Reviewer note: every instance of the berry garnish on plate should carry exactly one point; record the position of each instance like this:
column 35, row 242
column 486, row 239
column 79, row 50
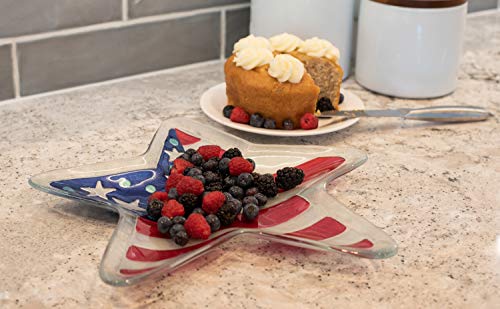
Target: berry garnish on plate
column 308, row 122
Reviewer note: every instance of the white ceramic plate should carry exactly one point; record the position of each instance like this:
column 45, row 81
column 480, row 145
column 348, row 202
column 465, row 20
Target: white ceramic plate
column 214, row 99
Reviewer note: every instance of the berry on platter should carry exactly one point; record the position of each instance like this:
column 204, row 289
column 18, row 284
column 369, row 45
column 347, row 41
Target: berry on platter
column 288, row 124
column 308, row 122
column 228, row 109
column 239, row 115
column 197, row 226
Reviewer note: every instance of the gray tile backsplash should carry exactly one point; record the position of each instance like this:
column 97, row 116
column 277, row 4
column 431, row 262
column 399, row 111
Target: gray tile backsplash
column 237, row 26
column 479, row 5
column 6, row 84
column 19, row 17
column 73, row 60
column 138, row 8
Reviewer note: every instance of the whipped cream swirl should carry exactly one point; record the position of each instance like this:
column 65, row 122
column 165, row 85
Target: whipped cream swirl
column 285, row 42
column 286, row 68
column 252, row 57
column 251, row 41
column 316, row 47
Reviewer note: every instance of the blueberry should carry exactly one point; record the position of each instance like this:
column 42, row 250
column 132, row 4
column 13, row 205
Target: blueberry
column 154, row 209
column 228, row 109
column 164, row 224
column 178, row 220
column 250, row 212
column 244, row 180
column 229, row 181
column 176, row 228
column 236, row 192
column 269, row 124
column 193, row 171
column 341, row 99
column 214, row 222
column 211, row 177
column 210, row 165
column 181, row 238
column 261, row 198
column 256, row 120
column 172, row 194
column 228, row 196
column 238, row 205
column 199, row 211
column 224, row 166
column 251, row 191
column 252, row 162
column 250, row 200
column 197, row 159
column 186, row 157
column 190, row 152
column 287, row 125
column 200, row 178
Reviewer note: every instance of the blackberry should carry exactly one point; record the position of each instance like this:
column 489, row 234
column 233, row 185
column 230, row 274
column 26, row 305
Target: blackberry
column 178, row 220
column 244, row 180
column 227, row 213
column 232, row 153
column 172, row 194
column 164, row 224
column 251, row 191
column 197, row 159
column 228, row 109
column 190, row 152
column 324, row 104
column 341, row 99
column 266, row 185
column 210, row 165
column 212, row 177
column 214, row 222
column 270, row 124
column 289, row 177
column 181, row 238
column 236, row 192
column 252, row 162
column 154, row 209
column 200, row 178
column 214, row 186
column 256, row 120
column 224, row 166
column 250, row 212
column 287, row 125
column 229, row 181
column 250, row 200
column 192, row 171
column 199, row 211
column 228, row 196
column 189, row 201
column 176, row 228
column 261, row 198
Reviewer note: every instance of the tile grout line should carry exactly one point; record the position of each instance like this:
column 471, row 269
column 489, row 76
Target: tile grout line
column 124, row 10
column 222, row 34
column 121, row 23
column 15, row 70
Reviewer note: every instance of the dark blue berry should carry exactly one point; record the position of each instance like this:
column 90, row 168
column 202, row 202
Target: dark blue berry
column 210, row 165
column 251, row 191
column 229, row 181
column 252, row 162
column 228, row 109
column 176, row 228
column 238, row 204
column 211, row 177
column 178, row 220
column 244, row 180
column 250, row 200
column 199, row 211
column 287, row 125
column 164, row 224
column 193, row 171
column 181, row 238
column 154, row 209
column 200, row 178
column 190, row 152
column 197, row 159
column 224, row 166
column 270, row 124
column 172, row 194
column 256, row 120
column 341, row 99
column 228, row 196
column 232, row 153
column 250, row 212
column 261, row 198
column 214, row 222
column 236, row 192
column 186, row 157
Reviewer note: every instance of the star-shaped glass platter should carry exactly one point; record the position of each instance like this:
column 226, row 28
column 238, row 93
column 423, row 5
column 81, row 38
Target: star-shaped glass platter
column 306, row 216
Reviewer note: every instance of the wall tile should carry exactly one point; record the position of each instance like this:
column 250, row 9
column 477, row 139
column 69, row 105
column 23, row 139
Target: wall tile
column 19, row 17
column 479, row 5
column 237, row 26
column 138, row 8
column 102, row 55
column 6, row 84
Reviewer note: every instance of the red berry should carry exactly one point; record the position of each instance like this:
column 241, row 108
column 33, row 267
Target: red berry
column 172, row 209
column 180, row 165
column 190, row 185
column 239, row 115
column 197, row 227
column 173, row 180
column 158, row 195
column 239, row 165
column 209, row 151
column 308, row 121
column 213, row 201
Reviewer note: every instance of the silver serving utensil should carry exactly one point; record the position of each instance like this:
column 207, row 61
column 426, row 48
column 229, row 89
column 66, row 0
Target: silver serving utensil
column 437, row 113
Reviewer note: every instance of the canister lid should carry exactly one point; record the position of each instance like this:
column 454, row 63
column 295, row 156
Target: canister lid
column 425, row 4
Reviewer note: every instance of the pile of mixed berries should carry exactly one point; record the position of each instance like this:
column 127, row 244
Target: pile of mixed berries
column 209, row 188
column 307, row 122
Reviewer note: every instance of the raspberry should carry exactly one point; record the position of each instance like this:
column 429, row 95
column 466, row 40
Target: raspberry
column 308, row 121
column 213, row 201
column 239, row 165
column 239, row 115
column 190, row 185
column 197, row 227
column 173, row 180
column 181, row 164
column 158, row 195
column 209, row 151
column 172, row 209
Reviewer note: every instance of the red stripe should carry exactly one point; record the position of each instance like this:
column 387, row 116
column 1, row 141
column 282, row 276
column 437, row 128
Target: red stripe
column 185, row 138
column 131, row 272
column 323, row 229
column 318, row 166
column 365, row 243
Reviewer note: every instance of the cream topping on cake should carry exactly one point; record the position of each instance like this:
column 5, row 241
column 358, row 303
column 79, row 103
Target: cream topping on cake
column 286, row 68
column 252, row 57
column 285, row 42
column 316, row 47
column 252, row 41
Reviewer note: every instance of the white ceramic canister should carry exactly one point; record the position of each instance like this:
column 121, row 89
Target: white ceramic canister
column 410, row 48
column 327, row 19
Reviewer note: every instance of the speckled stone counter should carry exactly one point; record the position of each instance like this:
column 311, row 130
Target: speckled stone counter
column 433, row 188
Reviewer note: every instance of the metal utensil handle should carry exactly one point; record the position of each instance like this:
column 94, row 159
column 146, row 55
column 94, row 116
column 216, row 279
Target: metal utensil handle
column 448, row 114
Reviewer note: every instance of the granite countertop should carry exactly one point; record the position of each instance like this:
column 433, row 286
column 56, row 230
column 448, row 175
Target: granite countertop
column 433, row 188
